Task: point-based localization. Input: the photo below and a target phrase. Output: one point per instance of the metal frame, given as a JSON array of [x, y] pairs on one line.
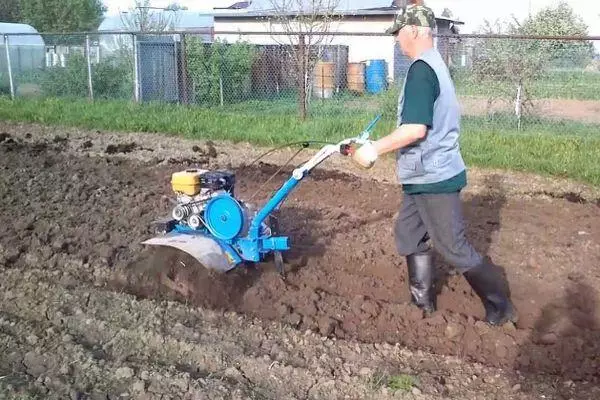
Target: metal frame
[[136, 71], [9, 66], [89, 66]]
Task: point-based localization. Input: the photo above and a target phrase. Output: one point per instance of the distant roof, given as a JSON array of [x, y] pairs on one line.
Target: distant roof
[[240, 5], [185, 20], [306, 5], [22, 40], [258, 8]]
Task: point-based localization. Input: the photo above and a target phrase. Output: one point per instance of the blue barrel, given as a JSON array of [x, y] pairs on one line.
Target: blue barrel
[[376, 76]]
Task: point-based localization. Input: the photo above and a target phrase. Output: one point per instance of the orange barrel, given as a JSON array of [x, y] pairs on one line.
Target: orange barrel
[[324, 82], [356, 77]]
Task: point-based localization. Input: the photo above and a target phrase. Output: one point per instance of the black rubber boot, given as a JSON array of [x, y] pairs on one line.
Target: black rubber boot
[[491, 287], [421, 281]]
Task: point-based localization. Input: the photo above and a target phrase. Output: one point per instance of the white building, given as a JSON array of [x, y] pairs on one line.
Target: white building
[[200, 23], [351, 16]]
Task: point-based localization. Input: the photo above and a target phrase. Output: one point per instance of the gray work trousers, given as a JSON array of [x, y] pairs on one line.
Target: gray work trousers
[[438, 217]]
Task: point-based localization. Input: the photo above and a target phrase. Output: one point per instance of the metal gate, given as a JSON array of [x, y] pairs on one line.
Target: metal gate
[[158, 69]]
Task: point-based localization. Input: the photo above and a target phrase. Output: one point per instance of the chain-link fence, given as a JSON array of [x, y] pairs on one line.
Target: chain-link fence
[[72, 66], [519, 82], [504, 82]]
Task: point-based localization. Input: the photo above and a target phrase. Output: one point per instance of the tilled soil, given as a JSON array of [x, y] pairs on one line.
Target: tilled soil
[[77, 315]]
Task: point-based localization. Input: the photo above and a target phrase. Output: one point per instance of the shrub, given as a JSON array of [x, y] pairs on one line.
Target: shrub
[[220, 71], [111, 79]]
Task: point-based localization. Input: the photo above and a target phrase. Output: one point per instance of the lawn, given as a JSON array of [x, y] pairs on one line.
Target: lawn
[[565, 149]]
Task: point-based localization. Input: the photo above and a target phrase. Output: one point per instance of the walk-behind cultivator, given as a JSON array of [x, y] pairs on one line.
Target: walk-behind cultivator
[[220, 230]]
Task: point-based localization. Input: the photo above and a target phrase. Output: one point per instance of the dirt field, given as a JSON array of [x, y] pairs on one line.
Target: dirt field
[[76, 320], [586, 111]]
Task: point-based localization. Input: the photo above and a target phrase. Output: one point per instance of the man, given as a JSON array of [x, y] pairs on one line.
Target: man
[[432, 173]]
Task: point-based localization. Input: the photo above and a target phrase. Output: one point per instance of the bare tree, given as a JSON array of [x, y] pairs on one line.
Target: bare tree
[[510, 68], [305, 24], [142, 17], [447, 13]]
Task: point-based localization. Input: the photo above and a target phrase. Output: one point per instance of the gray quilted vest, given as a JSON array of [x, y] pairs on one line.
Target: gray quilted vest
[[437, 157]]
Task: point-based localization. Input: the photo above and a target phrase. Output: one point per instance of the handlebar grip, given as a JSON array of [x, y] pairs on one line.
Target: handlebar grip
[[346, 149]]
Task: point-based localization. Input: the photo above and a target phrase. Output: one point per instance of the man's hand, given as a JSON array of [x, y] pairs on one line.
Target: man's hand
[[403, 136], [365, 156]]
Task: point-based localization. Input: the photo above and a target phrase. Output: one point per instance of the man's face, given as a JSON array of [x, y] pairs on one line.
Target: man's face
[[404, 37]]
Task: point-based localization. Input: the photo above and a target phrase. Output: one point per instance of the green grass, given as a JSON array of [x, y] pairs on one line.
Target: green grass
[[233, 124], [395, 383], [403, 383], [564, 149]]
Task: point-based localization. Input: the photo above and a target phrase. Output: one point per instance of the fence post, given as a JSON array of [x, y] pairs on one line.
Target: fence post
[[221, 76], [302, 77], [184, 74], [89, 66], [9, 67], [136, 76]]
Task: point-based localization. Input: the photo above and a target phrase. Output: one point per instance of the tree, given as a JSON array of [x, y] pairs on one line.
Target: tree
[[142, 17], [175, 7], [447, 13], [306, 24], [561, 21], [10, 11], [62, 15], [220, 72], [509, 67]]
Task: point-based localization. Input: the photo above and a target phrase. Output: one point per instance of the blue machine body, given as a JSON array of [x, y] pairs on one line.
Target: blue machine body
[[225, 219], [227, 229]]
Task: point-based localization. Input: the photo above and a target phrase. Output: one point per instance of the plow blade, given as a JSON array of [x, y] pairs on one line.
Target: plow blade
[[205, 250]]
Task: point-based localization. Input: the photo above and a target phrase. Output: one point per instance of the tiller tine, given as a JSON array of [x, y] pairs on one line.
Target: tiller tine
[[205, 250]]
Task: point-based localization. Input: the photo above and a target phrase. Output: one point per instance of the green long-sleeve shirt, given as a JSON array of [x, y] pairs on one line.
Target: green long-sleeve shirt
[[420, 93]]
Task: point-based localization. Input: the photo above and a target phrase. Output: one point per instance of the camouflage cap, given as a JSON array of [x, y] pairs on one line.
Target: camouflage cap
[[416, 15]]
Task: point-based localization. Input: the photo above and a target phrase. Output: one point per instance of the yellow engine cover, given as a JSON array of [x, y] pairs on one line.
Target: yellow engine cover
[[187, 182]]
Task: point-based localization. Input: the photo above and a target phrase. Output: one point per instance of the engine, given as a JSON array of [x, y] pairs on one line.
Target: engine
[[194, 188]]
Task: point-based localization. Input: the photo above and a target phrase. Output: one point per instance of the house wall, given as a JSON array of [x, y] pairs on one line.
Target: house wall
[[361, 48]]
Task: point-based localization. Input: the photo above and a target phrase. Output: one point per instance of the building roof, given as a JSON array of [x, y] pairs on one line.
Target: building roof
[[260, 8], [307, 5], [240, 5], [185, 20], [21, 40]]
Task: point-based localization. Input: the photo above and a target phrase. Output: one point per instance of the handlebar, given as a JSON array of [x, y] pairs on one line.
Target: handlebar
[[299, 174], [342, 147], [367, 132]]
